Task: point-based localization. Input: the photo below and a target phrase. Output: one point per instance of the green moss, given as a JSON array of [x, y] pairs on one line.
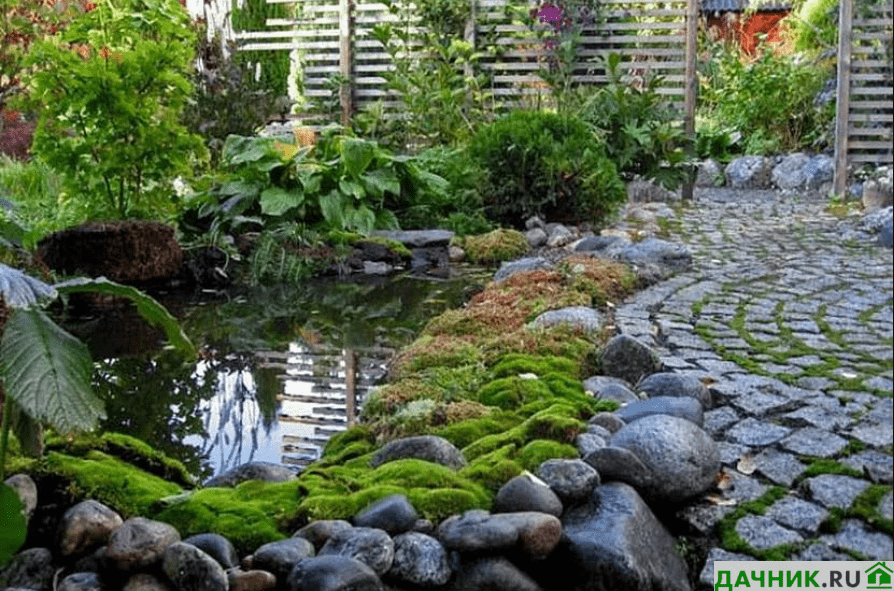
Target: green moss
[[515, 363], [249, 515], [540, 450], [467, 432], [355, 438], [490, 443], [497, 246], [493, 469], [439, 504], [559, 422], [510, 393], [122, 486], [428, 351]]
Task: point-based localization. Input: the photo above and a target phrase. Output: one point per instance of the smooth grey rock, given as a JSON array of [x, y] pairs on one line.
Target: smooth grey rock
[[684, 408], [628, 358], [535, 222], [616, 542], [85, 527], [607, 420], [393, 514], [190, 569], [279, 557], [608, 244], [418, 238], [332, 573], [832, 490], [373, 547], [818, 172], [523, 265], [558, 236], [615, 463], [217, 547], [492, 574], [609, 388], [588, 443], [476, 531], [536, 237], [420, 559], [677, 385], [669, 257], [83, 581], [146, 582], [790, 173], [265, 471], [430, 448], [26, 490], [318, 532], [29, 569], [748, 172], [139, 543], [250, 580], [798, 515], [538, 533], [527, 493], [579, 318], [573, 481], [681, 458]]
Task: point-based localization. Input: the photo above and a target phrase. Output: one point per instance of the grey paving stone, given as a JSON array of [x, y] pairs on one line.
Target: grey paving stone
[[831, 417], [759, 404], [816, 383], [886, 506], [879, 467], [719, 419], [798, 515], [880, 383], [762, 532], [872, 433], [780, 467], [744, 488], [805, 360], [856, 536], [706, 577], [756, 433], [811, 441], [821, 552], [833, 490], [703, 519], [731, 453]]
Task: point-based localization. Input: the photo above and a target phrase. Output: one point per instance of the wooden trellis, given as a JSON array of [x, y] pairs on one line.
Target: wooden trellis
[[863, 122], [333, 45]]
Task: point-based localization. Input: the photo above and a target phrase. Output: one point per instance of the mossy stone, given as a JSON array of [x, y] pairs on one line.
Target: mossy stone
[[111, 481]]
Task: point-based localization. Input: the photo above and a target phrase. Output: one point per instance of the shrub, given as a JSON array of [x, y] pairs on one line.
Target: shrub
[[544, 164]]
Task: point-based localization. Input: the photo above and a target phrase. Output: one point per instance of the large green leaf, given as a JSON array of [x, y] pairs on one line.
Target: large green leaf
[[153, 312], [13, 527], [46, 371], [20, 290], [277, 201], [356, 155]]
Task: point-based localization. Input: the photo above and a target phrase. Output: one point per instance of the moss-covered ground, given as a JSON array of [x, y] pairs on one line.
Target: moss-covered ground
[[506, 394]]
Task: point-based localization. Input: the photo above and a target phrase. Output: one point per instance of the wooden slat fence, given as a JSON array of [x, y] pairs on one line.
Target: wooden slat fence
[[865, 93], [334, 48]]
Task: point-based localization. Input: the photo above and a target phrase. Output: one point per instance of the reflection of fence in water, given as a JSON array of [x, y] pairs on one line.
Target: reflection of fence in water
[[323, 389]]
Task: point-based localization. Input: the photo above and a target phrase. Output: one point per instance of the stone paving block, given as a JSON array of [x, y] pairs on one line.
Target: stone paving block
[[759, 404], [879, 467], [719, 419], [743, 488], [856, 536], [731, 453], [780, 467], [762, 532], [811, 441], [831, 417], [880, 383], [706, 577], [886, 506], [756, 433], [833, 490], [805, 360], [874, 434], [719, 367], [798, 515], [820, 552], [816, 383]]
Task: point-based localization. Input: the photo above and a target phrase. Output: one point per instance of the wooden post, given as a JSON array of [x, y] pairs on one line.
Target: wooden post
[[345, 37], [351, 386], [691, 85], [842, 98]]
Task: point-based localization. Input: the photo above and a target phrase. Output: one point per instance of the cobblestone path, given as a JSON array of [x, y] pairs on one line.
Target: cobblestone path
[[791, 325]]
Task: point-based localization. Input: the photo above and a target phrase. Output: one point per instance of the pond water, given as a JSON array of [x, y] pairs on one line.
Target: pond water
[[281, 369]]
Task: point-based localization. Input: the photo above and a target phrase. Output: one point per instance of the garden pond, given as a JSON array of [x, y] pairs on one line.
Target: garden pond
[[281, 368]]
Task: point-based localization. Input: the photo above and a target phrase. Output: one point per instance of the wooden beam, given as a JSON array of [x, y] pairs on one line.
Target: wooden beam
[[842, 107]]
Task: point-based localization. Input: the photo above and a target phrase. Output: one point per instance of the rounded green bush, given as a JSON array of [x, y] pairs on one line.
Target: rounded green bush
[[535, 163]]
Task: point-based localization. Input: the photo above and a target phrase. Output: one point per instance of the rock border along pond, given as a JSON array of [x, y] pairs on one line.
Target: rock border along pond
[[680, 452]]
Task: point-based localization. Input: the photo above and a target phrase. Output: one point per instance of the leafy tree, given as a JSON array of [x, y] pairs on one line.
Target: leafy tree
[[110, 90]]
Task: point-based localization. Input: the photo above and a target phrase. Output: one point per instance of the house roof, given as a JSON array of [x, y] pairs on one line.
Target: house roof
[[741, 5]]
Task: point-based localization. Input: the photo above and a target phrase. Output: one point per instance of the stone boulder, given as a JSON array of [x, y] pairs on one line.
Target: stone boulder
[[709, 174], [138, 544], [527, 493], [188, 568], [430, 448], [328, 573], [85, 527], [627, 358], [579, 318], [523, 265], [573, 481], [371, 546], [615, 542], [668, 257], [677, 385], [684, 408], [748, 172], [279, 557], [264, 471], [419, 559], [217, 547], [682, 460], [394, 514]]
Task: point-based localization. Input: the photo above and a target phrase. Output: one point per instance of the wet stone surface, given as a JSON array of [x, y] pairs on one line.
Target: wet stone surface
[[786, 313]]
